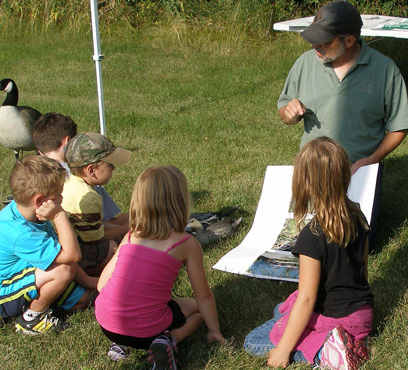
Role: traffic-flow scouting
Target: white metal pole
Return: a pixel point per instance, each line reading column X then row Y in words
column 97, row 57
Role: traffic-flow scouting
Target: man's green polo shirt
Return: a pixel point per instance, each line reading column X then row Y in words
column 356, row 112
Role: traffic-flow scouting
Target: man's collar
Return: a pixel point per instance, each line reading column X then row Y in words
column 365, row 55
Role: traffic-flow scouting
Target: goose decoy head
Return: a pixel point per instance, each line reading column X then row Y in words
column 10, row 87
column 5, row 84
column 194, row 224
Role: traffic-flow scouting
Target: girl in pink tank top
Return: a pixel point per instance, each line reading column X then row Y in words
column 135, row 307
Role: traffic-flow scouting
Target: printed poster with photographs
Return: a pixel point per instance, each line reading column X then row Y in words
column 265, row 252
column 279, row 262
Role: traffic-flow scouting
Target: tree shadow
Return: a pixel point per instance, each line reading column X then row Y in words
column 394, row 201
column 199, row 196
column 389, row 273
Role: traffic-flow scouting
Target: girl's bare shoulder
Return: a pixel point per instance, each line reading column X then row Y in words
column 187, row 247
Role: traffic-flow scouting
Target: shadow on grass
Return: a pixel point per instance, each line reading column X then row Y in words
column 394, row 201
column 389, row 277
column 243, row 303
column 200, row 196
column 388, row 265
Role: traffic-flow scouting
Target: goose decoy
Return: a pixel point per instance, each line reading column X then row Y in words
column 208, row 218
column 214, row 232
column 16, row 122
column 205, row 219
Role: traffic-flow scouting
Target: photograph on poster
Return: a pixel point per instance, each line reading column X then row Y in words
column 279, row 260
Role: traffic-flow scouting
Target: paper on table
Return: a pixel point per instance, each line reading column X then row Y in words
column 373, row 26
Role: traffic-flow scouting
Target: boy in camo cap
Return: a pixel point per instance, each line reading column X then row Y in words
column 51, row 133
column 92, row 158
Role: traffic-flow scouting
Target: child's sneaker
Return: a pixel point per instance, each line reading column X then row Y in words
column 340, row 352
column 163, row 352
column 41, row 324
column 118, row 352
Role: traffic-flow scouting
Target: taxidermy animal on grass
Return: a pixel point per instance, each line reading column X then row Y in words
column 208, row 218
column 215, row 231
column 16, row 122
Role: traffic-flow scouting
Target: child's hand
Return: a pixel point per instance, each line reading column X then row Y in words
column 277, row 359
column 215, row 336
column 49, row 210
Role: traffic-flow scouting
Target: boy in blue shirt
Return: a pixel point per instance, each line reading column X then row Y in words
column 38, row 269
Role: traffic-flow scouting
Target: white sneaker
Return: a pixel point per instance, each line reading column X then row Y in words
column 340, row 352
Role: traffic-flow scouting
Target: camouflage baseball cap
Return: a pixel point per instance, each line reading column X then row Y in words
column 89, row 147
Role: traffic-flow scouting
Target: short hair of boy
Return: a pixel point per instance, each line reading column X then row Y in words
column 79, row 171
column 50, row 129
column 90, row 147
column 34, row 175
column 161, row 203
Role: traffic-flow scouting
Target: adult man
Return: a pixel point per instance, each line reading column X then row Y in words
column 345, row 90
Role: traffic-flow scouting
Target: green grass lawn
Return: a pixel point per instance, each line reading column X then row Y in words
column 209, row 109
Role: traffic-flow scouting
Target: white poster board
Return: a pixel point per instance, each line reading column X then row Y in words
column 273, row 211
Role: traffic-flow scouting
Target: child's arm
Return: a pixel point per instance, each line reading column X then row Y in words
column 52, row 211
column 120, row 219
column 202, row 292
column 110, row 267
column 309, row 278
column 83, row 279
column 113, row 231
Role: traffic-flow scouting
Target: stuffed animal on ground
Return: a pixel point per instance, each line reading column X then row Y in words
column 215, row 231
column 16, row 122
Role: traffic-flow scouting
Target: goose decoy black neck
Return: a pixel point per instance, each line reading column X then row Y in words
column 10, row 87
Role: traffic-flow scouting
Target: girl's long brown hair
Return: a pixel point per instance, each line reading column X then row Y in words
column 320, row 182
column 161, row 203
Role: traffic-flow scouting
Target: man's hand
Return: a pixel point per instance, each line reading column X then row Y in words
column 276, row 358
column 363, row 162
column 291, row 114
column 49, row 210
column 389, row 143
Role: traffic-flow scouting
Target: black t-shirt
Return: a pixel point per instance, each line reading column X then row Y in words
column 343, row 288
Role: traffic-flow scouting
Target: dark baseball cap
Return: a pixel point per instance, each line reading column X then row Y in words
column 89, row 147
column 333, row 19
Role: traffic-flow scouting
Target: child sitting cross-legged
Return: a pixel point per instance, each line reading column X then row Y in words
column 92, row 158
column 135, row 307
column 327, row 320
column 38, row 269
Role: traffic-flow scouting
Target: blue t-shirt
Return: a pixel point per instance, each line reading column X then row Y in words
column 24, row 243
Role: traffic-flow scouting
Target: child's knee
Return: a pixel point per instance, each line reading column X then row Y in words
column 188, row 306
column 83, row 302
column 66, row 272
column 194, row 307
column 199, row 317
column 61, row 272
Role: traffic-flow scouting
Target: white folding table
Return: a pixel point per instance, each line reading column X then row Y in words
column 372, row 26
